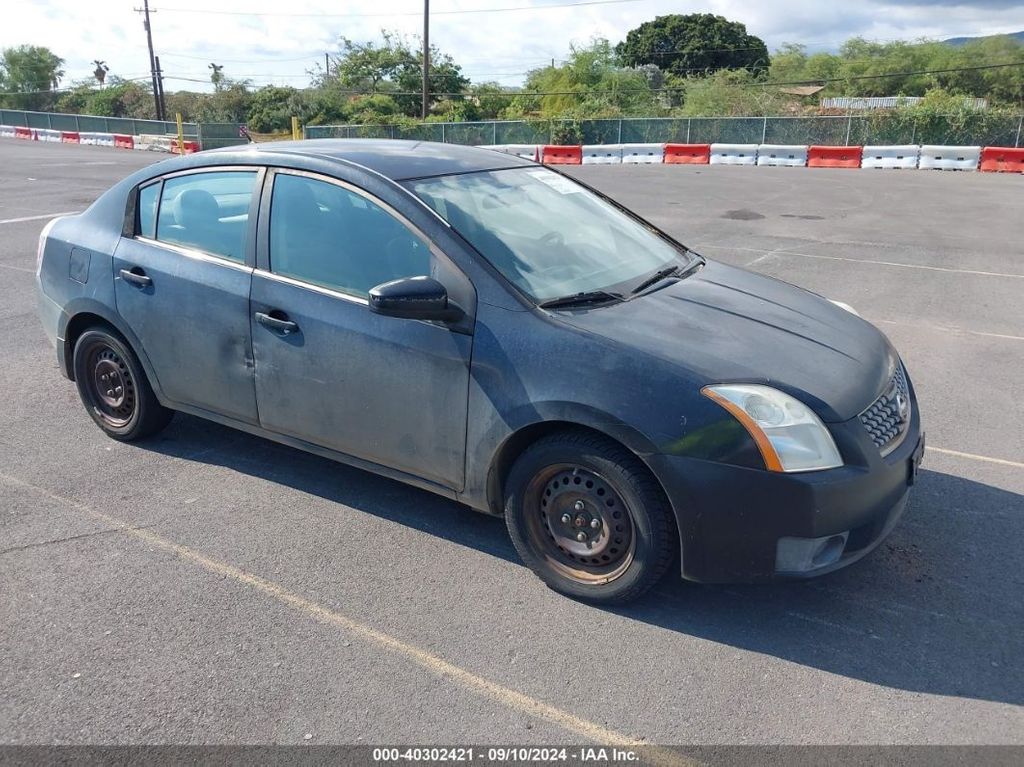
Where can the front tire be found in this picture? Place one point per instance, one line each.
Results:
(114, 387)
(588, 518)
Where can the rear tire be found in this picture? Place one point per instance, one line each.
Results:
(114, 387)
(588, 518)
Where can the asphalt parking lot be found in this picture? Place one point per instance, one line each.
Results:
(211, 587)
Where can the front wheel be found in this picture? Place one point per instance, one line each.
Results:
(588, 518)
(114, 388)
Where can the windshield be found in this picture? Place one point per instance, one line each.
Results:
(548, 235)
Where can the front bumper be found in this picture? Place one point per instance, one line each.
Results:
(732, 519)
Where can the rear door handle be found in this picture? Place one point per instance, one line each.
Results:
(136, 276)
(277, 324)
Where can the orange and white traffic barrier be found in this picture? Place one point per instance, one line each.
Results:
(1002, 159)
(834, 156)
(782, 155)
(687, 154)
(553, 154)
(935, 157)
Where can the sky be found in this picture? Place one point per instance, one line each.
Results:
(278, 42)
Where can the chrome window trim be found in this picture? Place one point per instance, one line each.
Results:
(329, 292)
(198, 255)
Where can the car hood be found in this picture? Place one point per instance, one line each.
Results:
(724, 324)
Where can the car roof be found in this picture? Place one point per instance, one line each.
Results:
(397, 160)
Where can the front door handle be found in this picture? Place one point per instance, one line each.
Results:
(280, 324)
(136, 276)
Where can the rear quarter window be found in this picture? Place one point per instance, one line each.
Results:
(149, 196)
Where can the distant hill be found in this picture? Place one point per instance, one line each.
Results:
(1019, 36)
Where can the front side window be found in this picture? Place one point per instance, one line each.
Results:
(546, 234)
(207, 212)
(326, 235)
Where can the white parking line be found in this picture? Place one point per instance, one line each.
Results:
(976, 457)
(943, 329)
(40, 217)
(18, 268)
(977, 272)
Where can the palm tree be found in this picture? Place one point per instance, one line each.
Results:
(100, 72)
(216, 75)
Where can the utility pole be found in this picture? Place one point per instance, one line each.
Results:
(426, 58)
(327, 65)
(152, 59)
(160, 86)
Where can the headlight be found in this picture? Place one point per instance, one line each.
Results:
(789, 436)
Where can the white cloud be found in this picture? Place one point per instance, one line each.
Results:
(496, 46)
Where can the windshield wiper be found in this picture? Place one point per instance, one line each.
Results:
(581, 299)
(669, 271)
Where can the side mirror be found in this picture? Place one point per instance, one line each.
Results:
(413, 298)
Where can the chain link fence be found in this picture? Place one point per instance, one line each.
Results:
(980, 129)
(91, 124)
(985, 128)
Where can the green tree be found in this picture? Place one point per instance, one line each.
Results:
(393, 67)
(589, 84)
(447, 82)
(372, 66)
(33, 72)
(696, 43)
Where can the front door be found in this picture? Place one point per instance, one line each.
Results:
(182, 285)
(390, 391)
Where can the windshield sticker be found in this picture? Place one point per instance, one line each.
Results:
(560, 184)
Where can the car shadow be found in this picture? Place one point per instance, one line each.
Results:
(936, 609)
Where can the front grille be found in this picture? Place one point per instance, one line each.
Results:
(888, 417)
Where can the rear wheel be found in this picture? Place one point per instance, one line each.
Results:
(588, 518)
(114, 388)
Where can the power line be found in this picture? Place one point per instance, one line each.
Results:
(395, 14)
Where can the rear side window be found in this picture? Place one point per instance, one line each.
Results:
(327, 235)
(148, 198)
(207, 212)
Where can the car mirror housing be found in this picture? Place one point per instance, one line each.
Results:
(413, 298)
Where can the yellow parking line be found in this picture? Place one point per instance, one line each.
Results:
(426, 660)
(976, 457)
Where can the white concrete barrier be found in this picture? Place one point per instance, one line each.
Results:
(734, 154)
(46, 134)
(104, 139)
(602, 154)
(643, 153)
(949, 157)
(903, 156)
(782, 155)
(6, 131)
(529, 151)
(153, 142)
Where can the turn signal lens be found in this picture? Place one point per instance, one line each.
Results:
(789, 436)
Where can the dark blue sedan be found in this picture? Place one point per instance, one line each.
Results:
(490, 330)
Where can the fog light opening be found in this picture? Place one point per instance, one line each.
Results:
(830, 551)
(804, 555)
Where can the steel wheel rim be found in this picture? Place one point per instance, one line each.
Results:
(110, 385)
(579, 523)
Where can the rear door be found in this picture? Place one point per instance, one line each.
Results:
(182, 284)
(390, 391)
